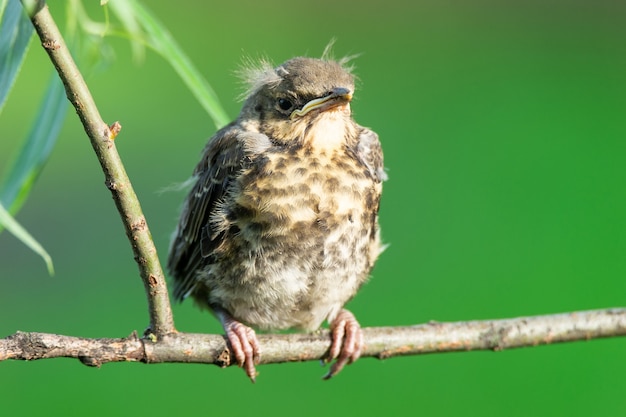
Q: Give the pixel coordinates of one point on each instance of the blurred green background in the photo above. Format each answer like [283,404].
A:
[503,125]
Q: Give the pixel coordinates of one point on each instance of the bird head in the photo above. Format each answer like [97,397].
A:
[287,101]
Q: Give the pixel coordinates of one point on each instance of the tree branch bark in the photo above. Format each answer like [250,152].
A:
[116,180]
[380,342]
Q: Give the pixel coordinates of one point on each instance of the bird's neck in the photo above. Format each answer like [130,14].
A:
[329,132]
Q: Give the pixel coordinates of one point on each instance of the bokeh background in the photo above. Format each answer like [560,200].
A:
[503,125]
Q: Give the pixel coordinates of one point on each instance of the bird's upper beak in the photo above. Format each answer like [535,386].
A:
[334,98]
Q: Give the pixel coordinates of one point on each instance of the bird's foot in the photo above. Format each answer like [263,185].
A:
[243,343]
[347,342]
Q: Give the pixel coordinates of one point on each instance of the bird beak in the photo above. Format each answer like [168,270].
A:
[334,98]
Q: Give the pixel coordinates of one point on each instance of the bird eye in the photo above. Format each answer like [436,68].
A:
[284,104]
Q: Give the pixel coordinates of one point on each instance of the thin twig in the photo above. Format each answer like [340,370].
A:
[381,342]
[116,180]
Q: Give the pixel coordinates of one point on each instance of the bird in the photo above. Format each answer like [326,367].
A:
[280,227]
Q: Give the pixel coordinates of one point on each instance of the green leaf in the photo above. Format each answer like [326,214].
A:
[15,33]
[159,38]
[26,167]
[19,232]
[34,152]
[123,10]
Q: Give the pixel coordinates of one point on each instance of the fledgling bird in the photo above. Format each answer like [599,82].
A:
[281,226]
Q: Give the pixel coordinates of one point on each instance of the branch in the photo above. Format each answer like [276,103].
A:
[381,342]
[116,180]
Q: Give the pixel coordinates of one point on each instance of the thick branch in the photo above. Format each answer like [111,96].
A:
[381,342]
[116,180]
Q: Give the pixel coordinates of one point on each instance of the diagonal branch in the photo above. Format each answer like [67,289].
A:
[381,342]
[116,180]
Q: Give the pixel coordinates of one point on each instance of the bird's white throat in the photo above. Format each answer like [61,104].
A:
[328,132]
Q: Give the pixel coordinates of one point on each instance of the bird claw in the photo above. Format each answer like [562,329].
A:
[243,343]
[347,342]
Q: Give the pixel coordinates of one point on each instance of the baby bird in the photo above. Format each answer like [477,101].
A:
[281,226]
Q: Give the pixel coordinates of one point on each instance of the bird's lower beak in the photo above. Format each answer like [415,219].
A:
[336,97]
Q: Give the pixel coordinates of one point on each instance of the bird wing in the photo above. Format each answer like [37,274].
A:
[223,158]
[371,153]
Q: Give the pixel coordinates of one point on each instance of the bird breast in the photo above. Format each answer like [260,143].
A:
[294,192]
[305,236]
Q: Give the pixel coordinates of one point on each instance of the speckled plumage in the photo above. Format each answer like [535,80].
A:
[281,227]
